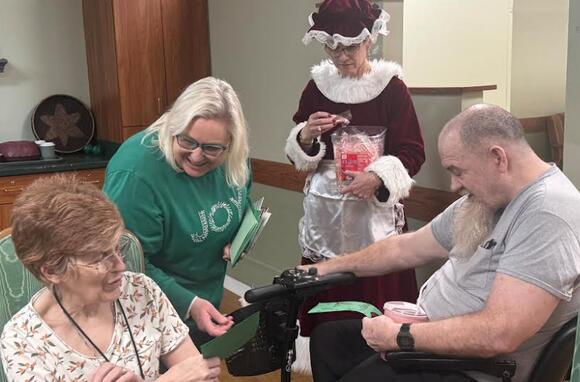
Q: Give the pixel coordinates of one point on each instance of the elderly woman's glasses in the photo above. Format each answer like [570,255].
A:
[209,149]
[108,259]
[348,50]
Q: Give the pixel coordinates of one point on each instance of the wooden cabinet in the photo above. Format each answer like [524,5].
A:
[141,54]
[12,186]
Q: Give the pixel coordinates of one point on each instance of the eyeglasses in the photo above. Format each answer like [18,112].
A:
[208,149]
[348,50]
[107,259]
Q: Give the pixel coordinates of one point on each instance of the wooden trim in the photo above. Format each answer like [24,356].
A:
[450,90]
[5,232]
[423,203]
[279,175]
[534,124]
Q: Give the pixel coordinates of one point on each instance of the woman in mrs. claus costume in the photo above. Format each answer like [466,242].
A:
[348,88]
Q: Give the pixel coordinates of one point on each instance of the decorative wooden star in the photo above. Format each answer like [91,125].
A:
[62,125]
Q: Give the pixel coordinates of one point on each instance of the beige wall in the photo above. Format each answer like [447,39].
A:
[572,133]
[538,77]
[45,47]
[257,46]
[393,43]
[458,43]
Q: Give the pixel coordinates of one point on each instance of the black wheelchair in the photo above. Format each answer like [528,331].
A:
[273,346]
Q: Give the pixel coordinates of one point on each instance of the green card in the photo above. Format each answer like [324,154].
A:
[228,343]
[350,306]
[246,232]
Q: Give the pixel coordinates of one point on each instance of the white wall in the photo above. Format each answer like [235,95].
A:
[458,43]
[45,47]
[572,133]
[539,45]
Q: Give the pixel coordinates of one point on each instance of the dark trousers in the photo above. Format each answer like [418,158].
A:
[339,353]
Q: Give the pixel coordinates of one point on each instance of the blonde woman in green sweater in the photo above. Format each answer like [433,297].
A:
[182,187]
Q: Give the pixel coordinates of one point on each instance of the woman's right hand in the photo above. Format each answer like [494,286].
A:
[194,369]
[319,123]
[208,319]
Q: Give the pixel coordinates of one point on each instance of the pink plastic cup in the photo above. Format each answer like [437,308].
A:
[402,311]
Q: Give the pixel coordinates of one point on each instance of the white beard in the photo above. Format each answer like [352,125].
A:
[472,225]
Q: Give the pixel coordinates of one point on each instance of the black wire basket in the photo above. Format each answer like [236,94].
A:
[263,353]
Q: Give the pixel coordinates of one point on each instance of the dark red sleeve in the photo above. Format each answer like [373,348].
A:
[307,103]
[404,135]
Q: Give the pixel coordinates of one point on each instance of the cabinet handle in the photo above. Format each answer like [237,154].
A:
[13,189]
[159,105]
[91,181]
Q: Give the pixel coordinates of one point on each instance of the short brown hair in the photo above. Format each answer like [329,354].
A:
[57,218]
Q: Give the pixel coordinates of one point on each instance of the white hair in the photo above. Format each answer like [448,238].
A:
[214,99]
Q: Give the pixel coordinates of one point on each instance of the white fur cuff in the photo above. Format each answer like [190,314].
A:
[301,160]
[394,175]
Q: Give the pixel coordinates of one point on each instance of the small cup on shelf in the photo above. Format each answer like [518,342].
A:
[47,150]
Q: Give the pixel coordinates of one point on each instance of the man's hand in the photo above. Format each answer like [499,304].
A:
[208,319]
[113,373]
[194,369]
[363,185]
[380,333]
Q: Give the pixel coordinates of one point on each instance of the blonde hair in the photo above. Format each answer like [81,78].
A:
[57,218]
[214,99]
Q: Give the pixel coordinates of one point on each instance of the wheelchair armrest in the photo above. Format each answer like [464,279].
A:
[504,369]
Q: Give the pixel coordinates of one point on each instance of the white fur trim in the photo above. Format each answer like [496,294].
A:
[394,176]
[350,90]
[302,363]
[302,161]
[379,27]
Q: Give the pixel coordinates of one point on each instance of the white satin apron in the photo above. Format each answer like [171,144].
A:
[334,224]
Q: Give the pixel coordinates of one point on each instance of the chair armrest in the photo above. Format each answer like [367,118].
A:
[504,369]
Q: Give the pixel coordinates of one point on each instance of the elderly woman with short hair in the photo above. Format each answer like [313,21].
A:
[182,187]
[92,320]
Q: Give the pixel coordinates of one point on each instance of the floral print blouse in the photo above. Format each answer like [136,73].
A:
[31,351]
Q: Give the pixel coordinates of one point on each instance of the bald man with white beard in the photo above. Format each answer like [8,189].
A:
[512,245]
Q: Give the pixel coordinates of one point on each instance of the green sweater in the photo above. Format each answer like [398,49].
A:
[183,222]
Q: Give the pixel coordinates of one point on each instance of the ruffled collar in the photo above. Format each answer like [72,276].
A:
[354,90]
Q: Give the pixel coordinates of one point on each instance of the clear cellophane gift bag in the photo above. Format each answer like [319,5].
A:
[355,147]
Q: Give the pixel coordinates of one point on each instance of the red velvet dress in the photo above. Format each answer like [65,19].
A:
[393,109]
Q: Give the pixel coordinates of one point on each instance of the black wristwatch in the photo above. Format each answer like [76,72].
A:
[405,339]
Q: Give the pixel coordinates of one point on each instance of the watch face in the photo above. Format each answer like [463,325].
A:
[405,340]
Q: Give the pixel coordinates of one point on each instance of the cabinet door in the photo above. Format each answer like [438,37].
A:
[186,44]
[140,60]
[5,215]
[12,186]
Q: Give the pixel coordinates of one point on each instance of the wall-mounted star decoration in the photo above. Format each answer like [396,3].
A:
[64,120]
[62,125]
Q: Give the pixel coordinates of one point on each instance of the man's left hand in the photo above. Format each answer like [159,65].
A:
[380,333]
[363,185]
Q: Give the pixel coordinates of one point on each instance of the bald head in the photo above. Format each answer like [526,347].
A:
[485,123]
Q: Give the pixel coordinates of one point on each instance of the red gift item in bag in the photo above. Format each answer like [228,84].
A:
[355,147]
[353,161]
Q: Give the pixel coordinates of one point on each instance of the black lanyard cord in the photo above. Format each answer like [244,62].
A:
[92,343]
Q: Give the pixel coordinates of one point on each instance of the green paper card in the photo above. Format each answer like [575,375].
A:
[253,222]
[343,306]
[244,235]
[228,343]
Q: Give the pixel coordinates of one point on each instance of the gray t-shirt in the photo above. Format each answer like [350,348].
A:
[536,239]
